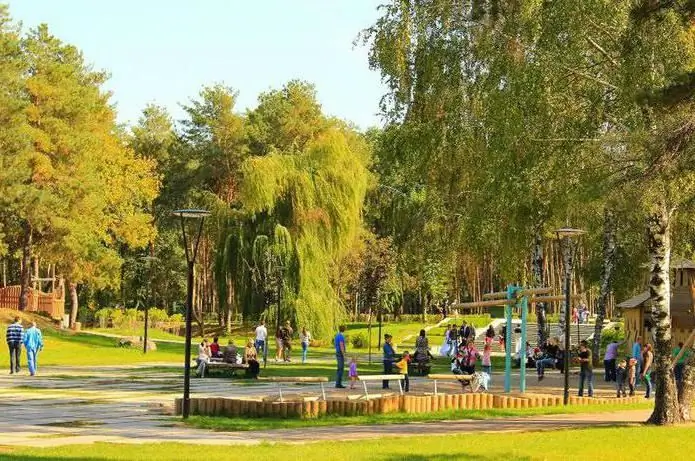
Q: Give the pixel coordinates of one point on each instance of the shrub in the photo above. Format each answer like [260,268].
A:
[176,318]
[359,340]
[130,317]
[116,317]
[102,316]
[158,316]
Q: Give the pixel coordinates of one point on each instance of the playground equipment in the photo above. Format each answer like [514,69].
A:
[515,297]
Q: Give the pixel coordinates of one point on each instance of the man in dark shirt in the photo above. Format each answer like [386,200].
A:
[389,355]
[586,372]
[339,343]
[14,336]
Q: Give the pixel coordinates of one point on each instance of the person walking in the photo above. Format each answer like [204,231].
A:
[286,335]
[304,339]
[389,353]
[609,360]
[647,369]
[637,355]
[33,343]
[586,371]
[261,338]
[14,336]
[339,343]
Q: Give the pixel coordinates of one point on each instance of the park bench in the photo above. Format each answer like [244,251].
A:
[219,364]
[396,377]
[279,380]
[474,380]
[421,368]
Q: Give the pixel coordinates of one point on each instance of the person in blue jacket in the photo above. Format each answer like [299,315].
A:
[33,343]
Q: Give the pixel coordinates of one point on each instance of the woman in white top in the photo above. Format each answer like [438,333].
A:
[305,338]
[203,357]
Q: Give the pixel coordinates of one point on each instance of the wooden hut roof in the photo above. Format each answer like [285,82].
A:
[635,301]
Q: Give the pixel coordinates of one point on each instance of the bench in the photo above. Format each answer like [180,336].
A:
[419,368]
[396,377]
[220,365]
[279,380]
[475,381]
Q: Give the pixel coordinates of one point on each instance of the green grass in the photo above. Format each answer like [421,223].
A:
[260,424]
[152,333]
[614,443]
[83,349]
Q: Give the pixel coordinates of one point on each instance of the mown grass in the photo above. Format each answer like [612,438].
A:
[614,443]
[219,423]
[152,333]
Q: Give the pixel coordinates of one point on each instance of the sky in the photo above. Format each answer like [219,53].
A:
[164,51]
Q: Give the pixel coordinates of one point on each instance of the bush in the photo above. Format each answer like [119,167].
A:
[102,316]
[359,340]
[158,316]
[116,317]
[176,318]
[130,317]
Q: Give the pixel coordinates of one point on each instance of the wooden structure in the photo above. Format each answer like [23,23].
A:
[637,311]
[279,380]
[52,303]
[313,408]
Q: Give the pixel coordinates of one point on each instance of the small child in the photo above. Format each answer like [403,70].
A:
[620,378]
[352,373]
[402,366]
[631,375]
[487,361]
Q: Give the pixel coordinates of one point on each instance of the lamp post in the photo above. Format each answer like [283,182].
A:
[565,236]
[150,260]
[190,259]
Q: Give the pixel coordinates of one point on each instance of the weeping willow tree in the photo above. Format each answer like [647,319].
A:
[304,213]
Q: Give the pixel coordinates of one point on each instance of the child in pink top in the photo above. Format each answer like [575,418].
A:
[352,373]
[487,362]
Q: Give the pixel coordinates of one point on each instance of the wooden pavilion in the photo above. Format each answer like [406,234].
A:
[637,311]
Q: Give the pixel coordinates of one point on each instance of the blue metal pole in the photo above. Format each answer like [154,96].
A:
[508,341]
[522,372]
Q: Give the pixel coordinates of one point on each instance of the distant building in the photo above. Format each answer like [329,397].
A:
[637,311]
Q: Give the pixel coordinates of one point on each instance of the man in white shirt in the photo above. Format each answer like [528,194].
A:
[261,337]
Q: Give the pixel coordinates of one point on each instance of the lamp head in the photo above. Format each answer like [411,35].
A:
[569,232]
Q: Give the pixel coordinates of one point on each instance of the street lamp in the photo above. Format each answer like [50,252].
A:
[565,236]
[190,259]
[149,260]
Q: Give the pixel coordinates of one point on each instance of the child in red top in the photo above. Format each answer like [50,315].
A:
[215,347]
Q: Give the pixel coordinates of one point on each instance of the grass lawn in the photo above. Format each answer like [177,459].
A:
[82,349]
[152,333]
[614,443]
[219,423]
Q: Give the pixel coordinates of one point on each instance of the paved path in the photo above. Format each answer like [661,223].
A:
[75,405]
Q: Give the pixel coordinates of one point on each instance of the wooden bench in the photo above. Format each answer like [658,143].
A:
[220,365]
[419,368]
[279,380]
[395,377]
[473,380]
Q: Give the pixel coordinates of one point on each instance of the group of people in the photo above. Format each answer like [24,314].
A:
[31,339]
[580,314]
[283,341]
[209,351]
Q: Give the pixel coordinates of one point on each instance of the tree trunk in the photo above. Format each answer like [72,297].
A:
[686,393]
[537,273]
[606,279]
[666,408]
[25,279]
[74,303]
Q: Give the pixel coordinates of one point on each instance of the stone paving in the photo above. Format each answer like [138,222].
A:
[77,405]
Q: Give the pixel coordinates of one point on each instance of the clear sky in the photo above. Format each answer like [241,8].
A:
[163,51]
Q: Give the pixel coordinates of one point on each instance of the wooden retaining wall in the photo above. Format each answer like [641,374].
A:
[389,404]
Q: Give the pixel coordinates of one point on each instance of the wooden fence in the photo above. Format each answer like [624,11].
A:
[52,304]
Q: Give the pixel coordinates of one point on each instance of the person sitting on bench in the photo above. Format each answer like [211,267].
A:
[203,357]
[251,358]
[230,353]
[215,348]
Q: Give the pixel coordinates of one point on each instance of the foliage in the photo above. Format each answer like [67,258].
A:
[103,316]
[359,340]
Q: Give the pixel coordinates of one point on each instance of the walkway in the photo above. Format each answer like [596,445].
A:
[74,405]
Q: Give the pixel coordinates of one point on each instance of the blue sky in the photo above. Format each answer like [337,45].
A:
[163,51]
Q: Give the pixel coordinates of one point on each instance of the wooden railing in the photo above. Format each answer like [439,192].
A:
[52,304]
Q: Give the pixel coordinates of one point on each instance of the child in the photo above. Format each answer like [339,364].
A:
[403,368]
[620,378]
[352,373]
[487,362]
[631,375]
